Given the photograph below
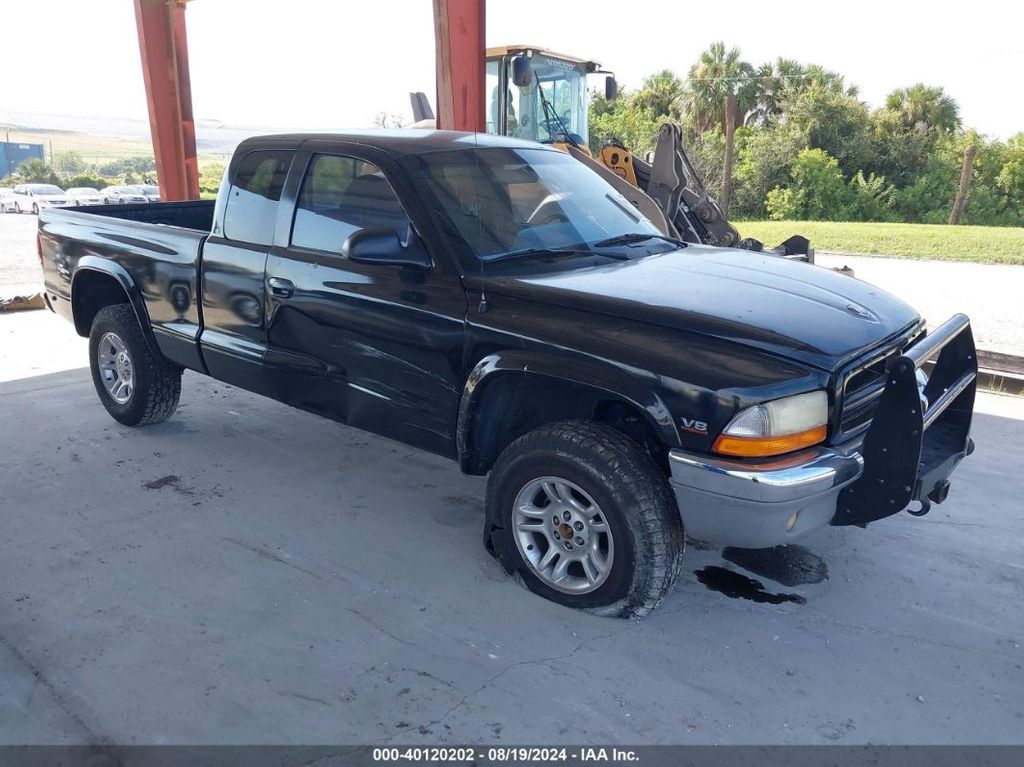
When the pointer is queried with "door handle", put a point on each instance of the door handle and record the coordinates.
(281, 287)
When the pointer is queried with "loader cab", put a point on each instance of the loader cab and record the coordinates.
(536, 94)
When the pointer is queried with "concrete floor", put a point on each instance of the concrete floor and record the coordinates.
(19, 265)
(246, 573)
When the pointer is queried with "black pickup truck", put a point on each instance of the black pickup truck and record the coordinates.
(496, 302)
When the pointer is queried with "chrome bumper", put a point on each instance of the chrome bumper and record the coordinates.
(756, 505)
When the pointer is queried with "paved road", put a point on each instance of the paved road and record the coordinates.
(246, 573)
(991, 294)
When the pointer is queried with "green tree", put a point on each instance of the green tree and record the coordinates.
(1010, 179)
(717, 75)
(775, 83)
(922, 107)
(817, 190)
(721, 89)
(85, 180)
(765, 155)
(625, 120)
(36, 172)
(835, 122)
(68, 163)
(661, 95)
(871, 198)
(210, 175)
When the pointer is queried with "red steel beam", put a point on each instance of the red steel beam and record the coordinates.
(459, 37)
(164, 49)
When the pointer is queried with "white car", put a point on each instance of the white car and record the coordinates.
(123, 194)
(85, 195)
(31, 198)
(152, 192)
(6, 200)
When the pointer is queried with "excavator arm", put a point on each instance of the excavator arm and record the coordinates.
(672, 183)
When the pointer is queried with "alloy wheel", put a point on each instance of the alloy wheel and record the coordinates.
(563, 535)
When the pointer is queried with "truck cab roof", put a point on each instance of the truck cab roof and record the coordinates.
(397, 142)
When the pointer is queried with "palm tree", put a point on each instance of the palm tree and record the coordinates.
(662, 94)
(833, 82)
(720, 90)
(774, 82)
(717, 74)
(923, 107)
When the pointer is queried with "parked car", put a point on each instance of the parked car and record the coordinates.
(152, 192)
(123, 194)
(32, 198)
(498, 303)
(6, 200)
(85, 195)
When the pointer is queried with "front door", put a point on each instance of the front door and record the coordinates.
(372, 345)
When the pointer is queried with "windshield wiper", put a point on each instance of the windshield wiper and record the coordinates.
(528, 252)
(634, 237)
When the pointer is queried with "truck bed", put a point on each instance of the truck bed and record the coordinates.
(155, 247)
(193, 214)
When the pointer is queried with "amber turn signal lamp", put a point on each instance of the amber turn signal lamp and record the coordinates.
(761, 447)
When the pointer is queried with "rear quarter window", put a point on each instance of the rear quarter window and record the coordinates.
(251, 209)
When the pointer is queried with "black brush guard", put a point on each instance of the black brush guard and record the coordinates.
(917, 438)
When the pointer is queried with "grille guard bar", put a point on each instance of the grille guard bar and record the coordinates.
(916, 438)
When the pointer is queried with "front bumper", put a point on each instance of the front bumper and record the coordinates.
(914, 442)
(756, 505)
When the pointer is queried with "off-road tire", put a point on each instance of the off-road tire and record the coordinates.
(633, 494)
(157, 381)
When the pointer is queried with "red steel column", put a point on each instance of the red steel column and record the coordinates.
(164, 48)
(459, 37)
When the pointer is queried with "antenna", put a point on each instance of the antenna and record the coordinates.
(482, 307)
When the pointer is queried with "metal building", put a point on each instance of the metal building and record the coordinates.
(14, 153)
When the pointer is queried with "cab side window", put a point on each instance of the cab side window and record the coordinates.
(341, 195)
(251, 209)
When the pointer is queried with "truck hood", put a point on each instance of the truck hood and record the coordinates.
(795, 310)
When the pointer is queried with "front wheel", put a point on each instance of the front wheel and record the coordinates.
(136, 386)
(35, 209)
(586, 518)
(17, 208)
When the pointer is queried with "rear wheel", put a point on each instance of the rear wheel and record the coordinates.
(17, 208)
(35, 209)
(136, 386)
(586, 518)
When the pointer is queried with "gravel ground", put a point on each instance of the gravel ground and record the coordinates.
(247, 573)
(990, 294)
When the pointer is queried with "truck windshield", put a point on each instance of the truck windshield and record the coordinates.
(502, 200)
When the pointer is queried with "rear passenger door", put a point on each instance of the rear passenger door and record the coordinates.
(377, 346)
(234, 336)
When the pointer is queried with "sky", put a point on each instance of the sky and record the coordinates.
(322, 64)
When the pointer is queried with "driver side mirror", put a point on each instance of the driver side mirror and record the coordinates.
(522, 72)
(611, 88)
(382, 246)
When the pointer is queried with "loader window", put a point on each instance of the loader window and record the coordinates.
(555, 102)
(251, 209)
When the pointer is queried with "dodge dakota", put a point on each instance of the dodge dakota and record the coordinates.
(496, 302)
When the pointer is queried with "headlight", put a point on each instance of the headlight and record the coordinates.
(776, 427)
